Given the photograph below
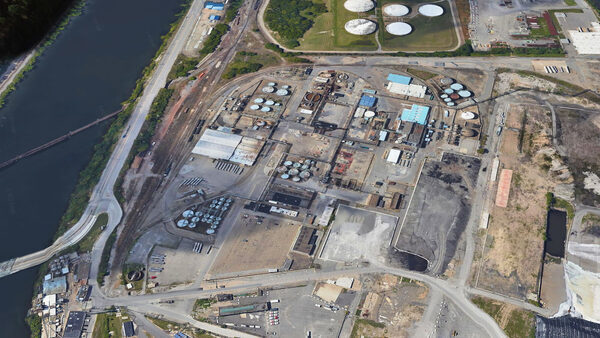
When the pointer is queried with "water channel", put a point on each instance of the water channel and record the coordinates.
(89, 70)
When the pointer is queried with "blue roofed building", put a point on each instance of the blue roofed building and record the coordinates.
(218, 6)
(367, 101)
(214, 17)
(55, 285)
(401, 79)
(416, 114)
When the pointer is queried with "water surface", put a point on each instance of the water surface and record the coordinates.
(90, 69)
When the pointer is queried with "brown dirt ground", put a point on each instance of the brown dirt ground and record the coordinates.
(251, 246)
(402, 304)
(515, 240)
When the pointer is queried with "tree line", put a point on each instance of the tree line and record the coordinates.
(290, 19)
(23, 23)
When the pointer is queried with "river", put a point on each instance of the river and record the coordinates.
(88, 71)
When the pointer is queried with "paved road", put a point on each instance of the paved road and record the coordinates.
(103, 199)
(147, 326)
(20, 63)
(457, 294)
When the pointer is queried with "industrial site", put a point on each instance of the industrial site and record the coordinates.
(321, 182)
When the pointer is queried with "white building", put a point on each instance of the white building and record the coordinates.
(407, 89)
(393, 156)
(224, 145)
(587, 42)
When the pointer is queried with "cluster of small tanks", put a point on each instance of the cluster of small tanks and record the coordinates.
(296, 171)
(212, 215)
(453, 91)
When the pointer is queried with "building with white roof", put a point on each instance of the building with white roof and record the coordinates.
(407, 89)
(393, 155)
(587, 41)
(223, 145)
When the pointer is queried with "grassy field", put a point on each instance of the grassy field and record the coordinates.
(429, 34)
(420, 73)
(88, 241)
(542, 32)
(137, 285)
(107, 325)
(516, 323)
(328, 31)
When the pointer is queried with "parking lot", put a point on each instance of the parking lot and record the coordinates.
(172, 266)
(299, 314)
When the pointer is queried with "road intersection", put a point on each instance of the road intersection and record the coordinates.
(104, 201)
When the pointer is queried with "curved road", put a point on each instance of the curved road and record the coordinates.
(458, 295)
(103, 199)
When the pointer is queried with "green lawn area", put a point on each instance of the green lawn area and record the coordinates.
(542, 32)
(203, 303)
(421, 74)
(107, 325)
(88, 241)
(328, 31)
(570, 2)
(246, 62)
(137, 285)
(429, 34)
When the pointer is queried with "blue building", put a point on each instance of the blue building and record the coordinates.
(401, 79)
(417, 114)
(218, 6)
(367, 101)
(214, 17)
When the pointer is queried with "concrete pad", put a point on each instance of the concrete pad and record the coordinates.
(359, 235)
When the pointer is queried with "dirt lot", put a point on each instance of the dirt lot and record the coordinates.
(254, 247)
(553, 285)
(575, 125)
(515, 235)
(306, 143)
(397, 304)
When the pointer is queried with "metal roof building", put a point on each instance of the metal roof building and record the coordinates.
(218, 6)
(129, 329)
(409, 90)
(214, 17)
(399, 79)
(224, 145)
(394, 155)
(74, 326)
(236, 310)
(417, 114)
(55, 285)
(587, 42)
(367, 101)
(247, 151)
(217, 144)
(565, 326)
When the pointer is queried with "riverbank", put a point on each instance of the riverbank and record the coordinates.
(54, 104)
(90, 175)
(11, 82)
